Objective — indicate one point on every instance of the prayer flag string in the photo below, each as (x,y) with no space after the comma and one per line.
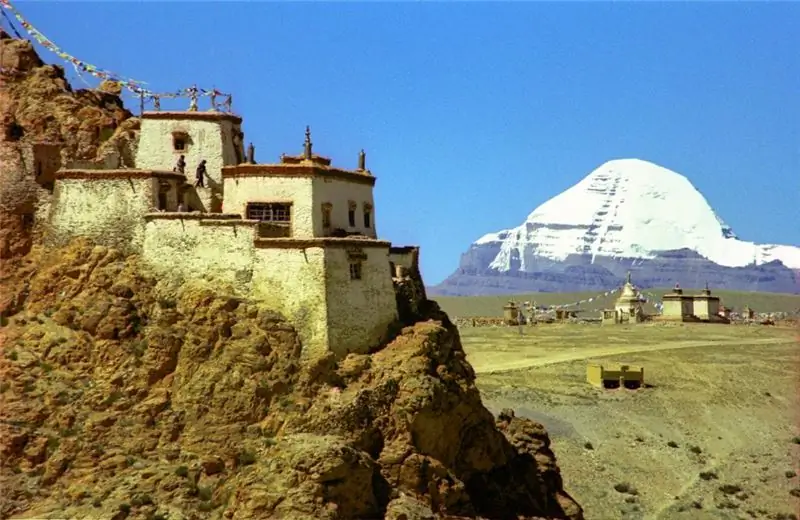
(134,86)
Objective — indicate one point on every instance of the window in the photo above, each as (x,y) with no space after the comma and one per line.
(351,214)
(355,270)
(275,218)
(367,216)
(270,212)
(326,215)
(180,141)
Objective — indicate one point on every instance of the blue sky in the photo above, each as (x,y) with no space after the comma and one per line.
(472,114)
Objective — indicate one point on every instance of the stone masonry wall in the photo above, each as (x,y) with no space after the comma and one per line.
(184,246)
(404,258)
(292,281)
(241,190)
(339,193)
(107,211)
(359,311)
(211,140)
(672,309)
(307,195)
(205,249)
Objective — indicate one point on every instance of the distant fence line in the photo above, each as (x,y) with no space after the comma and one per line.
(493,321)
(479,322)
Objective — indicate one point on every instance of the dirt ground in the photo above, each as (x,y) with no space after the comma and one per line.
(714,435)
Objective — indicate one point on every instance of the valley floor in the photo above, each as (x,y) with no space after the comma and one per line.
(713,436)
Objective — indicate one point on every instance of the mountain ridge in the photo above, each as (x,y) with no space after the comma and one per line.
(627,214)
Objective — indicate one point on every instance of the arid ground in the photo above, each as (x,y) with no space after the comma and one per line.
(713,435)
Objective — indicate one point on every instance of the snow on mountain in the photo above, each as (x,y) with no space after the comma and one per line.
(633,209)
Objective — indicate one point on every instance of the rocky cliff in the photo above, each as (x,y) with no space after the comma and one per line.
(119,401)
(626,215)
(46,124)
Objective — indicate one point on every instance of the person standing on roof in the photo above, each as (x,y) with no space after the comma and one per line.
(200,174)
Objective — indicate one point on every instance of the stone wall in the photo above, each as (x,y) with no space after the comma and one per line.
(713,307)
(291,280)
(307,281)
(705,307)
(677,307)
(297,190)
(700,307)
(359,311)
(210,137)
(480,321)
(687,304)
(217,248)
(405,257)
(340,193)
(106,210)
(307,195)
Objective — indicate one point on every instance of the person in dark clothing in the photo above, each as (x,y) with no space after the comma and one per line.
(180,167)
(200,174)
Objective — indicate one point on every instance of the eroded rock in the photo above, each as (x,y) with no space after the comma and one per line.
(169,412)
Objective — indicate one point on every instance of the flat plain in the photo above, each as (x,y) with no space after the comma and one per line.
(468,306)
(713,435)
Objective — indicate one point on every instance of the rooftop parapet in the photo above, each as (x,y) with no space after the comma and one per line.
(210,115)
(308,164)
(102,175)
(300,169)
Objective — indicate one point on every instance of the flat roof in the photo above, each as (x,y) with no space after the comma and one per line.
(297,170)
(208,115)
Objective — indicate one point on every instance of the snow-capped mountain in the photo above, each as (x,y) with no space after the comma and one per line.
(626,214)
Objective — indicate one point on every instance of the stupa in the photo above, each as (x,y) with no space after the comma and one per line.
(628,308)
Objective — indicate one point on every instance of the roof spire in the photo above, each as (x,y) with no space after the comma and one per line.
(307,147)
(362,160)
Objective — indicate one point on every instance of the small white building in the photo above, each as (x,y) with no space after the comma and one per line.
(628,307)
(298,235)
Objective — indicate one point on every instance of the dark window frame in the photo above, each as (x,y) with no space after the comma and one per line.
(277,212)
(356,272)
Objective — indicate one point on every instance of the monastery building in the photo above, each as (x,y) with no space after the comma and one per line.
(298,235)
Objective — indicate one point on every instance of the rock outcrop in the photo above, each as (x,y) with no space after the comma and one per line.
(122,399)
(46,124)
(119,401)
